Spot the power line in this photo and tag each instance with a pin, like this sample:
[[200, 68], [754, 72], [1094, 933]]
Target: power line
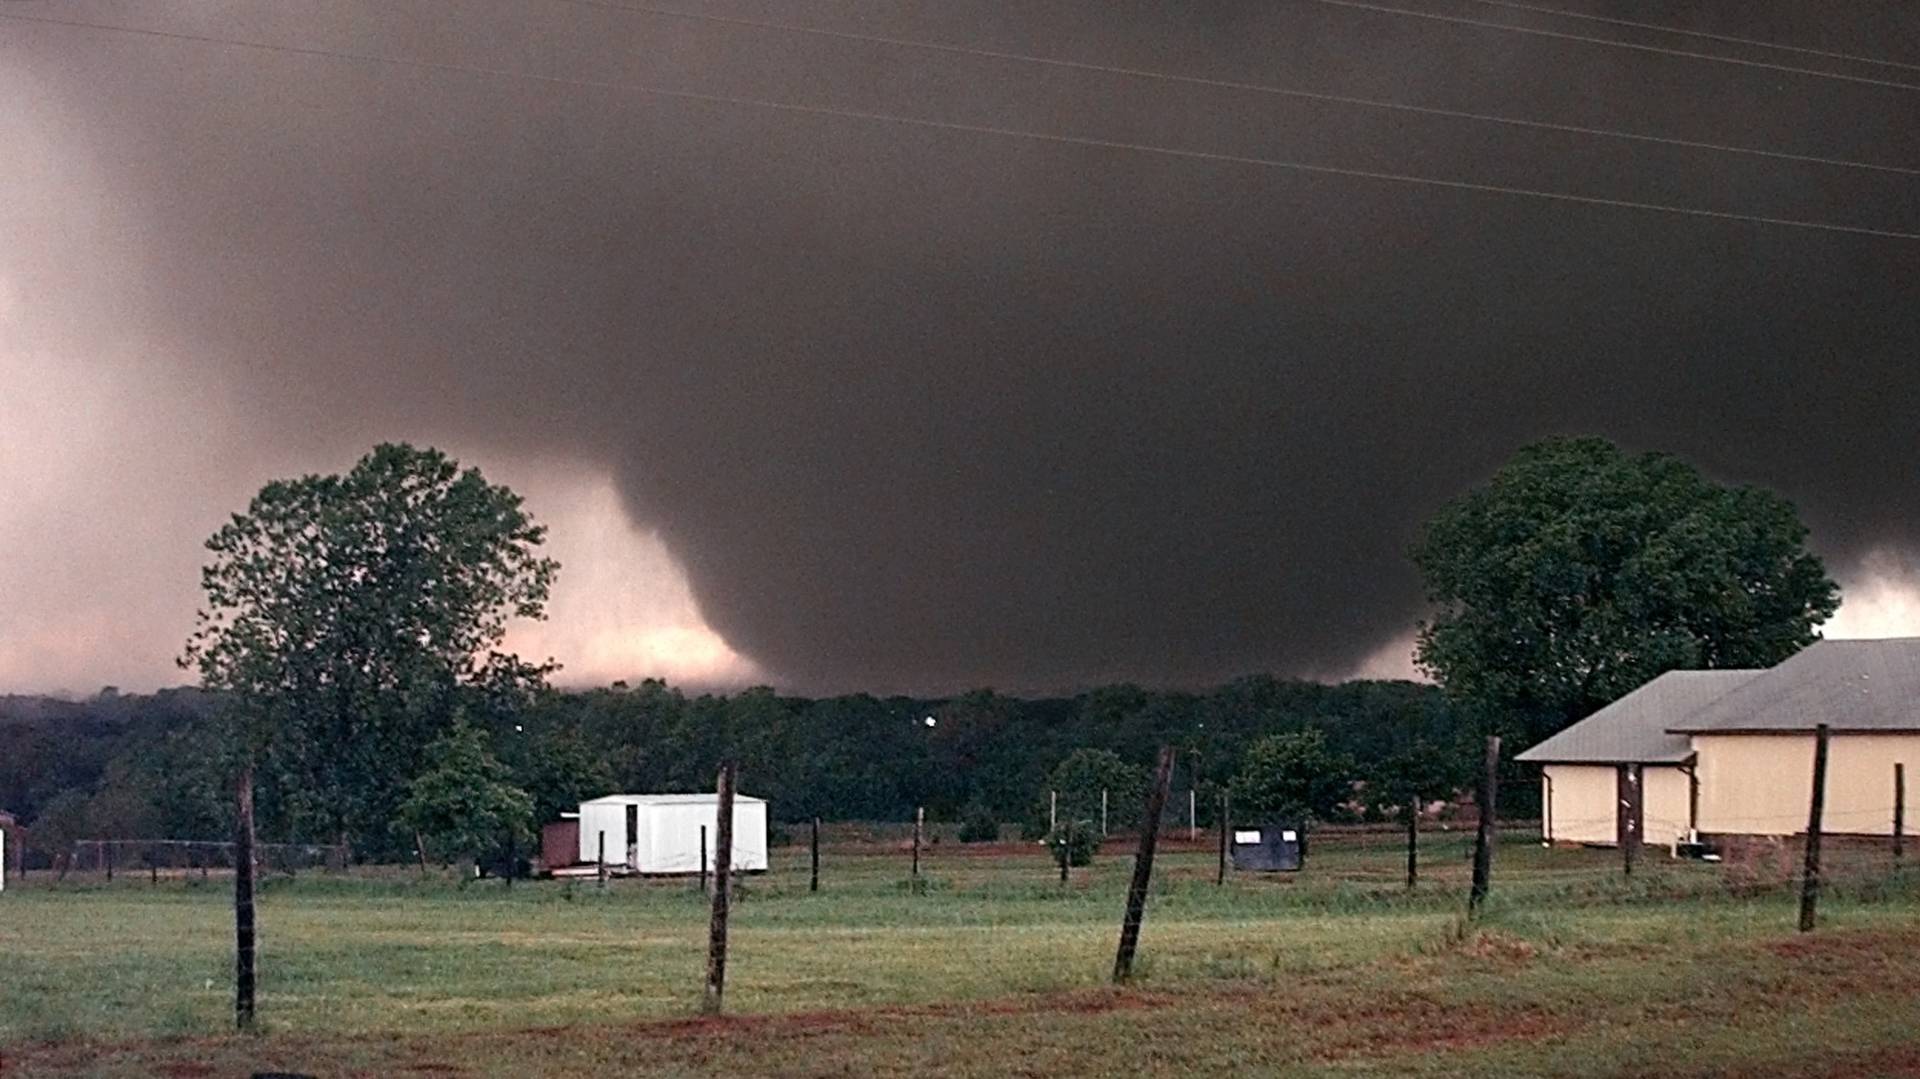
[[980, 129], [1728, 38], [1385, 9], [1230, 84]]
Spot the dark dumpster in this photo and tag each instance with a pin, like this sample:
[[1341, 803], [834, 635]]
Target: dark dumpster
[[1274, 847]]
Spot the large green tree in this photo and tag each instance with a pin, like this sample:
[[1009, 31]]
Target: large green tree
[[347, 618], [1580, 572]]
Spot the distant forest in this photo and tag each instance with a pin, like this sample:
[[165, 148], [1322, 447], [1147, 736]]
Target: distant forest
[[155, 766]]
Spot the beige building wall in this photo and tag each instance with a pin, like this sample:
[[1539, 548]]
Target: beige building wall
[[1761, 784], [1664, 805], [1582, 800], [1585, 800]]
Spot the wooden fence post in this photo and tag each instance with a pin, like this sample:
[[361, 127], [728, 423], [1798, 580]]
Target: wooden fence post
[[722, 892], [1810, 879], [813, 882], [1899, 815], [1103, 812], [919, 821], [600, 858], [1630, 811], [243, 925], [1413, 842], [1193, 816], [1143, 867], [703, 858], [1226, 804], [1488, 800]]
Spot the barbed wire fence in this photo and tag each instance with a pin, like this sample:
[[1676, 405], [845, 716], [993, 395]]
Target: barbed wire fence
[[192, 858]]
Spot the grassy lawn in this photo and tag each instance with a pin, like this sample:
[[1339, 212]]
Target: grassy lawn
[[995, 969]]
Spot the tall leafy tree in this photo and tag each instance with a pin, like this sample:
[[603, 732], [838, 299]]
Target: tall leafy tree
[[347, 616], [1580, 572]]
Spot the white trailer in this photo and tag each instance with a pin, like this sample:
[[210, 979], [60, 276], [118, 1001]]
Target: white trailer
[[661, 833]]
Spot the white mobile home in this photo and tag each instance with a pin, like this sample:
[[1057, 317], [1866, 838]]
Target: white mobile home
[[663, 833]]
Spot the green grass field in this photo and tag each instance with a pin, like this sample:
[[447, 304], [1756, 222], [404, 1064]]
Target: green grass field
[[995, 969]]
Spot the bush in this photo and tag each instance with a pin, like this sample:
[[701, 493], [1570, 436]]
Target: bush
[[1079, 780], [979, 825], [1075, 841], [1293, 776]]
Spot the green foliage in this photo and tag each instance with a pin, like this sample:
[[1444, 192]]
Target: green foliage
[[1421, 771], [979, 824], [1075, 841], [348, 617], [1292, 776], [1579, 573], [855, 757], [1085, 773], [464, 804]]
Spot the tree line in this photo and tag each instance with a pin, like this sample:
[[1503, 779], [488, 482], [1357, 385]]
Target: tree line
[[159, 766]]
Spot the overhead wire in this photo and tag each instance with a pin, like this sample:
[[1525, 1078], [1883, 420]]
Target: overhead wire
[[1461, 20], [1539, 9], [1089, 142], [1229, 84]]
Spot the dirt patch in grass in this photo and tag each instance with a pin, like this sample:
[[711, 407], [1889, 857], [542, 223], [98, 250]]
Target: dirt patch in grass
[[1846, 945], [1497, 947]]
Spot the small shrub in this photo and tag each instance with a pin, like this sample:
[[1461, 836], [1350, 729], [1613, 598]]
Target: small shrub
[[979, 825], [1075, 841]]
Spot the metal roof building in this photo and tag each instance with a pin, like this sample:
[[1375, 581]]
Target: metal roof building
[[1637, 728], [1731, 752], [1848, 685]]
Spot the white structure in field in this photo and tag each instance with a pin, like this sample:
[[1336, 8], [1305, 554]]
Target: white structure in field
[[661, 833]]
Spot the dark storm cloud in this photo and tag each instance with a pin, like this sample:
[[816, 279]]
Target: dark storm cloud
[[926, 409]]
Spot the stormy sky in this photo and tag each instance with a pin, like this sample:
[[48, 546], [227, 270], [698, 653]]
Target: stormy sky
[[840, 402]]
